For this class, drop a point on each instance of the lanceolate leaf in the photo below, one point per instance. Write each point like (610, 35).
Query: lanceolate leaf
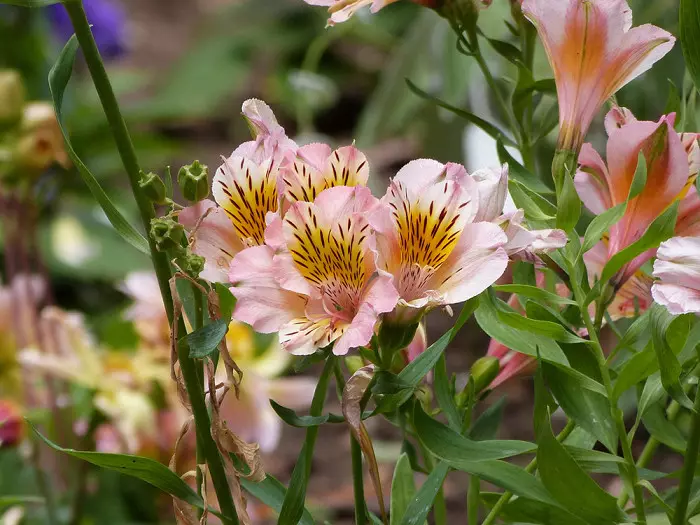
(690, 37)
(58, 80)
(489, 128)
(291, 418)
(271, 492)
(206, 340)
(145, 469)
(403, 490)
(420, 505)
(534, 293)
(599, 225)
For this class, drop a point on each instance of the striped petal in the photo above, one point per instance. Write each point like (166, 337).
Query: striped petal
(246, 192)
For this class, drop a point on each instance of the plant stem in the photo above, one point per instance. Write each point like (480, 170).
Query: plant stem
(689, 464)
(650, 449)
(199, 450)
(473, 493)
(531, 467)
(160, 261)
(42, 485)
(358, 482)
(631, 466)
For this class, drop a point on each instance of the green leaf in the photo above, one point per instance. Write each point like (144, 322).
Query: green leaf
(652, 393)
(444, 395)
(403, 489)
(206, 340)
(292, 419)
(669, 366)
(515, 339)
(560, 472)
(689, 23)
(568, 204)
(487, 127)
(662, 429)
(145, 469)
(454, 448)
(599, 225)
(58, 81)
(271, 492)
(639, 181)
(519, 173)
(589, 410)
(534, 292)
(419, 507)
(506, 50)
(227, 301)
(486, 425)
(11, 501)
(640, 366)
(674, 103)
(523, 510)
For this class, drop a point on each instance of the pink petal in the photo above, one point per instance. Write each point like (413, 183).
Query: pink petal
(688, 223)
(346, 166)
(492, 186)
(359, 332)
(261, 302)
(591, 181)
(315, 155)
(618, 117)
(677, 299)
(476, 263)
(214, 239)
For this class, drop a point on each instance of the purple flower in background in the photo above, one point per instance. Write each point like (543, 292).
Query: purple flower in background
(108, 22)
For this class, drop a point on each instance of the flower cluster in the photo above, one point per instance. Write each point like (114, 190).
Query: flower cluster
(315, 257)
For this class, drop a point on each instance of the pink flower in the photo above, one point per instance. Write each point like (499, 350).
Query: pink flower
(316, 168)
(270, 139)
(594, 51)
(677, 269)
(428, 240)
(320, 286)
(418, 344)
(342, 10)
(602, 186)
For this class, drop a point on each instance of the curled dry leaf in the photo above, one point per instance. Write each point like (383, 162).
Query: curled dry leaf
(353, 394)
(184, 513)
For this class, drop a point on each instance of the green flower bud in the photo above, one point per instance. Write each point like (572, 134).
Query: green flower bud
(12, 98)
(191, 263)
(194, 181)
(354, 363)
(167, 234)
(153, 187)
(394, 337)
(484, 371)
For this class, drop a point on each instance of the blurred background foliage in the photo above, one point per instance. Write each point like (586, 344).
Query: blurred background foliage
(182, 71)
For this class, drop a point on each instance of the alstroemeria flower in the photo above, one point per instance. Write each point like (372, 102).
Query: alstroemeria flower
(602, 186)
(428, 240)
(316, 168)
(677, 269)
(321, 286)
(11, 424)
(342, 10)
(492, 187)
(593, 51)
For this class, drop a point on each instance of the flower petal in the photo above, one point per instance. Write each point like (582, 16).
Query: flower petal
(591, 181)
(492, 186)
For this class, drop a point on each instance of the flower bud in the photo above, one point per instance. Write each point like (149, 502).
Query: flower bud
(194, 181)
(190, 263)
(153, 187)
(354, 363)
(167, 234)
(11, 424)
(394, 337)
(11, 98)
(484, 371)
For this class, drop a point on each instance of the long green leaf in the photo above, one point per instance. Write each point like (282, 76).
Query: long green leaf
(689, 22)
(419, 507)
(489, 128)
(534, 292)
(58, 81)
(145, 469)
(403, 490)
(291, 418)
(271, 492)
(444, 396)
(599, 225)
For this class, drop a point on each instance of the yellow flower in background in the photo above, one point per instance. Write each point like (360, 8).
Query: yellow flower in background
(40, 142)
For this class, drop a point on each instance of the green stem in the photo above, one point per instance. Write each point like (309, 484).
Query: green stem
(199, 450)
(630, 465)
(358, 482)
(506, 496)
(691, 459)
(160, 261)
(650, 449)
(43, 485)
(473, 494)
(86, 443)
